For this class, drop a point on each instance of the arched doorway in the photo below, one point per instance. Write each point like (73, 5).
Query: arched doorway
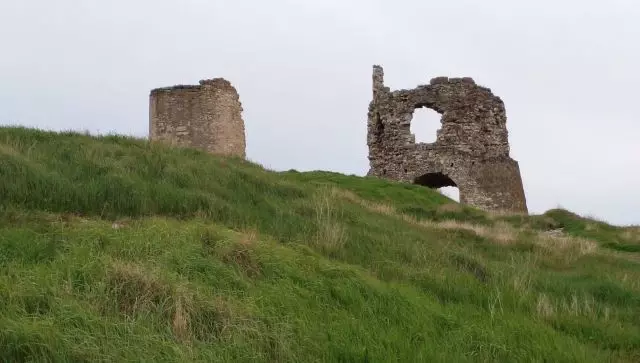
(440, 182)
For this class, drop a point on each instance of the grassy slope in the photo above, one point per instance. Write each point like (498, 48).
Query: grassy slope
(114, 249)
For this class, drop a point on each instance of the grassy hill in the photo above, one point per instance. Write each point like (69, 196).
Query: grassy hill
(113, 249)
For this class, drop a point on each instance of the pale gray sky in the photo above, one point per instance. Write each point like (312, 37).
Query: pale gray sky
(568, 72)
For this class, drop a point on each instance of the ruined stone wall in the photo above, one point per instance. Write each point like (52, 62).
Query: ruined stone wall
(207, 116)
(471, 150)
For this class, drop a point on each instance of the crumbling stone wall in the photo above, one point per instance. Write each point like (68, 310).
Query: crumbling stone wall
(471, 150)
(205, 116)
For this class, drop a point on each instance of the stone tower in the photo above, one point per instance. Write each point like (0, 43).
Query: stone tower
(205, 116)
(471, 150)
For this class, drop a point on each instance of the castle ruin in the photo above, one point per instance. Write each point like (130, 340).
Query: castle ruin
(205, 116)
(471, 150)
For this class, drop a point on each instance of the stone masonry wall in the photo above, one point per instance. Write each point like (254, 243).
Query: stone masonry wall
(471, 150)
(207, 116)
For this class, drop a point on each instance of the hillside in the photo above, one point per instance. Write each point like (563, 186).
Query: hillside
(113, 249)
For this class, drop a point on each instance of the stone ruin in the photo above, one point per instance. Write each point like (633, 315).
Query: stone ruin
(471, 150)
(205, 116)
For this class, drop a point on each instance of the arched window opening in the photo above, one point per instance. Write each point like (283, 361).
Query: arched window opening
(425, 124)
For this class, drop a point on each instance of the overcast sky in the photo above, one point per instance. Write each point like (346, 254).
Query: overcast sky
(568, 72)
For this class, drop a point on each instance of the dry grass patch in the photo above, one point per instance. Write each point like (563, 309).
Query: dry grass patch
(631, 234)
(385, 209)
(180, 322)
(631, 257)
(121, 223)
(331, 234)
(450, 207)
(242, 254)
(524, 274)
(205, 320)
(630, 281)
(544, 306)
(574, 305)
(7, 149)
(566, 245)
(135, 289)
(501, 232)
(218, 319)
(381, 208)
(342, 193)
(590, 227)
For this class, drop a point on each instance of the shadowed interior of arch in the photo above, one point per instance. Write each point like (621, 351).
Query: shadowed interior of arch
(435, 180)
(440, 181)
(425, 124)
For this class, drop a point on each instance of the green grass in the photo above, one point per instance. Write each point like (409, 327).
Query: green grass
(114, 249)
